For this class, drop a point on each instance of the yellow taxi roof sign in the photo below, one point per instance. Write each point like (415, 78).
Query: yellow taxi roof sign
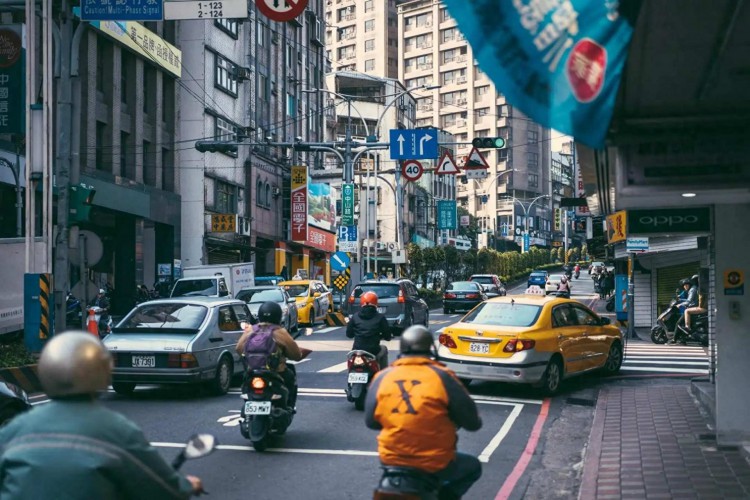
(535, 290)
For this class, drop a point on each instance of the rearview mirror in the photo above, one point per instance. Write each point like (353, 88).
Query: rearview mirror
(316, 294)
(606, 321)
(291, 300)
(200, 445)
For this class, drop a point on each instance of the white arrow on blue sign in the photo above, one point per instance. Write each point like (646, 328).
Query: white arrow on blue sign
(348, 238)
(339, 261)
(414, 144)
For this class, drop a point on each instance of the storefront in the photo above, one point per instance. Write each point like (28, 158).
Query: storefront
(311, 258)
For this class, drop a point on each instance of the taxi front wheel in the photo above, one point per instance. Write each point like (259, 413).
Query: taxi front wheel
(552, 378)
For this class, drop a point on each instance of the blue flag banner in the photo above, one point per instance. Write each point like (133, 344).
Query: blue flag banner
(558, 61)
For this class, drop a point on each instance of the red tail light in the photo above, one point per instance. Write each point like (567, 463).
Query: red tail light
(518, 345)
(351, 298)
(449, 296)
(447, 341)
(401, 298)
(472, 295)
(183, 360)
(258, 383)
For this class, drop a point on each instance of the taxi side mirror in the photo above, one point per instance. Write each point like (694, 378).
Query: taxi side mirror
(316, 294)
(605, 321)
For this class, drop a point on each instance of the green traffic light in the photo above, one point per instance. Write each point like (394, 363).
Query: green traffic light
(499, 142)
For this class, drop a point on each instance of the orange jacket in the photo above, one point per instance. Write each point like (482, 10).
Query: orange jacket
(418, 404)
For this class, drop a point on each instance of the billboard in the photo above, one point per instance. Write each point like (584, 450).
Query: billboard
(321, 207)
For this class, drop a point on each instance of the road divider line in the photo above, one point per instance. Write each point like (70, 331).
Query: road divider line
(504, 430)
(528, 453)
(231, 447)
(335, 368)
(328, 329)
(627, 368)
(479, 397)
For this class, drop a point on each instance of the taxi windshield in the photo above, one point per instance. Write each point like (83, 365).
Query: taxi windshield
(296, 290)
(504, 314)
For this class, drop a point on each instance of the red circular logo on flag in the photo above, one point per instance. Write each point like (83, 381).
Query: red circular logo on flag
(586, 68)
(281, 10)
(10, 48)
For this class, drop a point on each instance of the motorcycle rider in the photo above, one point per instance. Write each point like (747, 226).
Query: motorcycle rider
(563, 286)
(698, 307)
(690, 300)
(269, 316)
(416, 399)
(577, 270)
(100, 300)
(74, 447)
(367, 327)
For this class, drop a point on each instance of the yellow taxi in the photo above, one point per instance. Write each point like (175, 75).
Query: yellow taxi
(530, 339)
(314, 299)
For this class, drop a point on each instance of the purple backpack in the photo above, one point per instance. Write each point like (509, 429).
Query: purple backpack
(261, 350)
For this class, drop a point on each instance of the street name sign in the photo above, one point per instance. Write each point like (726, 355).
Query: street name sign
(348, 238)
(417, 144)
(218, 9)
(347, 205)
(636, 244)
(122, 10)
(281, 10)
(411, 170)
(446, 214)
(446, 165)
(339, 261)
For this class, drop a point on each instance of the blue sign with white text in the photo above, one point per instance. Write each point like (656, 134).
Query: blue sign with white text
(446, 214)
(558, 61)
(122, 10)
(414, 144)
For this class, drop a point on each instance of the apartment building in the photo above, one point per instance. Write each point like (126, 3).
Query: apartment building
(247, 83)
(361, 35)
(435, 52)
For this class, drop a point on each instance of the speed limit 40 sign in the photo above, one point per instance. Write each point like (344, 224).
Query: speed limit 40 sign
(411, 170)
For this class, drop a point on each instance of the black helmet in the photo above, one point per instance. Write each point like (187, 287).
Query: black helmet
(416, 339)
(269, 312)
(684, 281)
(694, 279)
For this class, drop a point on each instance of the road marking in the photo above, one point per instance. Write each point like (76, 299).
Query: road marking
(504, 430)
(230, 447)
(528, 452)
(329, 329)
(335, 368)
(479, 398)
(671, 370)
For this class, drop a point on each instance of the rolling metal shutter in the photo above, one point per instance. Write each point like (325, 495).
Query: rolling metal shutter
(667, 280)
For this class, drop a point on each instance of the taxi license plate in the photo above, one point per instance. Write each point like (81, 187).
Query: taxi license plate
(257, 408)
(479, 348)
(144, 361)
(358, 378)
(381, 310)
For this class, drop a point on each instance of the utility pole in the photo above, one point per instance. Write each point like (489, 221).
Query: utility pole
(565, 234)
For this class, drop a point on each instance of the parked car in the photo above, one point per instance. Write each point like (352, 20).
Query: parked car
(314, 299)
(552, 281)
(398, 300)
(462, 296)
(182, 340)
(257, 295)
(268, 280)
(530, 339)
(491, 284)
(538, 278)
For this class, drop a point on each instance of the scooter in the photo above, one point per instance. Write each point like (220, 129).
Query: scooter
(671, 320)
(577, 274)
(13, 400)
(197, 446)
(73, 311)
(103, 321)
(406, 482)
(266, 410)
(362, 366)
(611, 303)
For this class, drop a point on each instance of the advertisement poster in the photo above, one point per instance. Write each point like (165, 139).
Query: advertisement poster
(321, 207)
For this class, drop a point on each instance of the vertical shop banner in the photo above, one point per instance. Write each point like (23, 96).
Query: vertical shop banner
(446, 214)
(12, 80)
(299, 203)
(558, 61)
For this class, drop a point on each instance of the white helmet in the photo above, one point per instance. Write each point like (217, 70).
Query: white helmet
(74, 363)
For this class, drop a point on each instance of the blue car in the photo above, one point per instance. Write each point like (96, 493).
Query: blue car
(538, 278)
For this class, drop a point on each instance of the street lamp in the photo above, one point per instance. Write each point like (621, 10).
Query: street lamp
(393, 101)
(526, 209)
(486, 193)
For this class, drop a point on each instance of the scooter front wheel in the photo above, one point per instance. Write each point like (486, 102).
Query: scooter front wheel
(658, 335)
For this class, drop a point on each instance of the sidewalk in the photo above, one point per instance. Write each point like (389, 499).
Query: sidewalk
(652, 442)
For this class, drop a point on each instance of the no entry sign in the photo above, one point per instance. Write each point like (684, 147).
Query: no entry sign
(281, 10)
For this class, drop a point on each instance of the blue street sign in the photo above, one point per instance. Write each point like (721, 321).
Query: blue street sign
(339, 261)
(122, 10)
(446, 214)
(348, 238)
(526, 242)
(414, 144)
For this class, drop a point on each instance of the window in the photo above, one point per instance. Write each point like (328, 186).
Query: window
(126, 170)
(444, 16)
(261, 34)
(369, 25)
(262, 88)
(124, 77)
(224, 130)
(480, 112)
(291, 105)
(480, 91)
(533, 160)
(260, 199)
(224, 76)
(227, 320)
(455, 76)
(455, 98)
(503, 111)
(101, 145)
(448, 35)
(533, 180)
(370, 45)
(149, 164)
(225, 197)
(533, 136)
(229, 26)
(370, 65)
(369, 5)
(417, 82)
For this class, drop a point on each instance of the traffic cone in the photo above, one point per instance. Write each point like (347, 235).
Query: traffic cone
(91, 323)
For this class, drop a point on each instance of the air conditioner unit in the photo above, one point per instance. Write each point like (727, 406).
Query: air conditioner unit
(381, 245)
(460, 122)
(276, 191)
(243, 73)
(461, 102)
(244, 225)
(428, 24)
(461, 79)
(461, 58)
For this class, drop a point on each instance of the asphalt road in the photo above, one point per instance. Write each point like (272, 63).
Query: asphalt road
(328, 453)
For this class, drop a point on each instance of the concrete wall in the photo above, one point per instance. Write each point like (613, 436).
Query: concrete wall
(732, 334)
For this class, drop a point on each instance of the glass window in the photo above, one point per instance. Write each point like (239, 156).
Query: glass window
(369, 25)
(563, 316)
(255, 295)
(225, 75)
(533, 159)
(504, 314)
(383, 291)
(227, 320)
(242, 314)
(370, 65)
(463, 286)
(369, 5)
(261, 34)
(584, 317)
(291, 105)
(370, 45)
(297, 290)
(230, 26)
(158, 318)
(225, 200)
(533, 180)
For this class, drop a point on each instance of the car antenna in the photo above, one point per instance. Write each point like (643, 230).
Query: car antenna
(512, 302)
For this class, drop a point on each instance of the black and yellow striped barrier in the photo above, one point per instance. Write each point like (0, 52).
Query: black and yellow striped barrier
(24, 377)
(44, 298)
(335, 319)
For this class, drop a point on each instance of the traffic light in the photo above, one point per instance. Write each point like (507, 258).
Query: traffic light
(558, 219)
(216, 146)
(488, 142)
(80, 199)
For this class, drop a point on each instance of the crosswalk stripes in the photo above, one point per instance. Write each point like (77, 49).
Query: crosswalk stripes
(677, 359)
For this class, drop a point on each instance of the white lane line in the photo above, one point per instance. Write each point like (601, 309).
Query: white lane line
(504, 430)
(454, 315)
(651, 361)
(290, 362)
(335, 368)
(479, 398)
(360, 453)
(666, 370)
(329, 329)
(40, 402)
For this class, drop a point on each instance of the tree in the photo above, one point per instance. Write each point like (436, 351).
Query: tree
(471, 230)
(416, 262)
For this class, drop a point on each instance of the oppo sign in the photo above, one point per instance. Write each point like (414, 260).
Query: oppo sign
(669, 220)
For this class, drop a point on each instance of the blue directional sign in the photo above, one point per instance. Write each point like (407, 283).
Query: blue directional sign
(446, 214)
(122, 10)
(526, 242)
(339, 261)
(348, 238)
(414, 144)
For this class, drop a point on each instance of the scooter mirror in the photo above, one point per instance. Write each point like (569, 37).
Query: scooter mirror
(200, 445)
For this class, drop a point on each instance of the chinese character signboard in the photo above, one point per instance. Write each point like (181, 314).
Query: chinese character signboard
(299, 203)
(446, 214)
(347, 205)
(559, 62)
(322, 240)
(223, 223)
(12, 80)
(617, 227)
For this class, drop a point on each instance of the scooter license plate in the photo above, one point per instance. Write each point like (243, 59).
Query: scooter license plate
(257, 408)
(358, 378)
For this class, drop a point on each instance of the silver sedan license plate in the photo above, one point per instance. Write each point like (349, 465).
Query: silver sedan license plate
(479, 348)
(358, 378)
(144, 361)
(257, 408)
